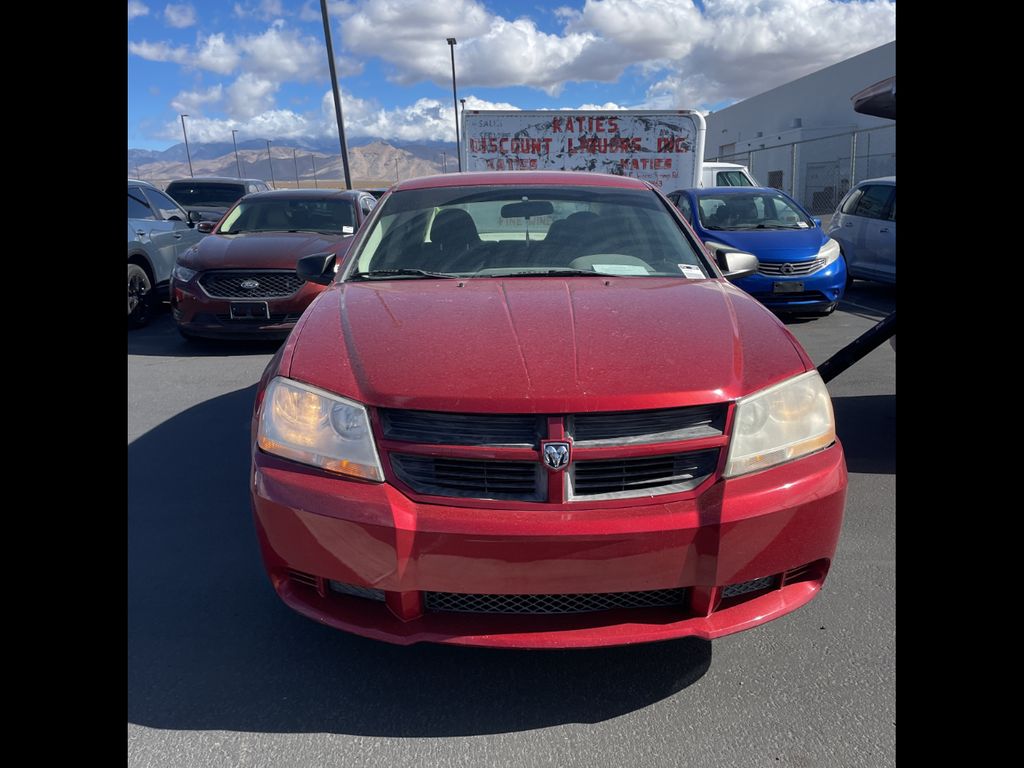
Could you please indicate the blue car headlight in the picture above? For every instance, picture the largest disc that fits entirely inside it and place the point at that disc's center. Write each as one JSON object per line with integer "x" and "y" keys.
{"x": 829, "y": 252}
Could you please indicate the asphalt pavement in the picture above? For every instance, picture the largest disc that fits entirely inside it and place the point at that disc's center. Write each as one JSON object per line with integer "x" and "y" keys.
{"x": 221, "y": 673}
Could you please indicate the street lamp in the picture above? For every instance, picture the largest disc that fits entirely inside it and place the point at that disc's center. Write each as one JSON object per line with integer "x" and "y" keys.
{"x": 295, "y": 160}
{"x": 187, "y": 153}
{"x": 312, "y": 159}
{"x": 336, "y": 92}
{"x": 396, "y": 169}
{"x": 455, "y": 102}
{"x": 270, "y": 160}
{"x": 444, "y": 162}
{"x": 238, "y": 165}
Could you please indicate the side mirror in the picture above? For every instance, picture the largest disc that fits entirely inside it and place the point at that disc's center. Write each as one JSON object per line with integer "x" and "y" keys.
{"x": 817, "y": 222}
{"x": 736, "y": 264}
{"x": 194, "y": 217}
{"x": 206, "y": 227}
{"x": 316, "y": 268}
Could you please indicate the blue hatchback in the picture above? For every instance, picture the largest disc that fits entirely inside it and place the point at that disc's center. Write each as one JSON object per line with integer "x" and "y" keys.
{"x": 801, "y": 268}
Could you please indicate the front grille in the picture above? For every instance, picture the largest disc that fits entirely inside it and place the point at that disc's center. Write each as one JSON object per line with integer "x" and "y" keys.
{"x": 271, "y": 284}
{"x": 438, "y": 476}
{"x": 797, "y": 268}
{"x": 621, "y": 478}
{"x": 367, "y": 593}
{"x": 745, "y": 587}
{"x": 790, "y": 297}
{"x": 521, "y": 430}
{"x": 552, "y": 604}
{"x": 275, "y": 317}
{"x": 633, "y": 427}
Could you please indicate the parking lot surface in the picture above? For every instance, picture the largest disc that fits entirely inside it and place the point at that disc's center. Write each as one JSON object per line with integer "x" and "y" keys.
{"x": 221, "y": 673}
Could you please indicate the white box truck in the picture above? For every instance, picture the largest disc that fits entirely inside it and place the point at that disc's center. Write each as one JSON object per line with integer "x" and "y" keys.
{"x": 664, "y": 147}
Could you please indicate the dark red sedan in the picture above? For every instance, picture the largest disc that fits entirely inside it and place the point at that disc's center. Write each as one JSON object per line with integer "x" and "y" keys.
{"x": 531, "y": 411}
{"x": 240, "y": 281}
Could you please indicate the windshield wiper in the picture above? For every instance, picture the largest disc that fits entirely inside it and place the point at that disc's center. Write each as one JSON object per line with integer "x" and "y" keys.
{"x": 558, "y": 272}
{"x": 387, "y": 274}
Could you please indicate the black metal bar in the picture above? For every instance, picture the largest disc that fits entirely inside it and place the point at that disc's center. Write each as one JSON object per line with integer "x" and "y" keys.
{"x": 858, "y": 348}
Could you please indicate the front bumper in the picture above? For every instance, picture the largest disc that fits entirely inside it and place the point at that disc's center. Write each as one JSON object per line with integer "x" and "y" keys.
{"x": 314, "y": 528}
{"x": 821, "y": 289}
{"x": 198, "y": 314}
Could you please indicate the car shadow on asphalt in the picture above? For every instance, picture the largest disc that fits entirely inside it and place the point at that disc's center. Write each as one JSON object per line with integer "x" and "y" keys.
{"x": 160, "y": 338}
{"x": 866, "y": 425}
{"x": 211, "y": 647}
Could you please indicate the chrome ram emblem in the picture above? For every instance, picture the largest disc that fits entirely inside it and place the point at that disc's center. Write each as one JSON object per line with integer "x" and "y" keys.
{"x": 556, "y": 455}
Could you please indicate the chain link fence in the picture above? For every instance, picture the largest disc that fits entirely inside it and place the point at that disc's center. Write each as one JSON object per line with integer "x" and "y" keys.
{"x": 818, "y": 172}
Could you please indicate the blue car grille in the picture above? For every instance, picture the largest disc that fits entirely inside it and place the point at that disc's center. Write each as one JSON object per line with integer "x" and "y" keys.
{"x": 795, "y": 268}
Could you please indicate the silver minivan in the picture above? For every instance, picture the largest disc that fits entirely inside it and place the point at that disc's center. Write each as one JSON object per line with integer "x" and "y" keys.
{"x": 864, "y": 224}
{"x": 159, "y": 230}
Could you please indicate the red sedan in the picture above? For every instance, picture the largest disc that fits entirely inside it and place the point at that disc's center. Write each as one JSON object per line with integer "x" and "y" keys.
{"x": 240, "y": 281}
{"x": 531, "y": 411}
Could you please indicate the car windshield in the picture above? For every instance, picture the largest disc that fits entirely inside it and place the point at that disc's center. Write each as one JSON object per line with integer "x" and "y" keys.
{"x": 524, "y": 231}
{"x": 222, "y": 195}
{"x": 333, "y": 217}
{"x": 750, "y": 210}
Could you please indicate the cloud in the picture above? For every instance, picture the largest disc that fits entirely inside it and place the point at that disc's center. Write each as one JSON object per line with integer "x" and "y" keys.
{"x": 136, "y": 9}
{"x": 284, "y": 54}
{"x": 180, "y": 16}
{"x": 192, "y": 102}
{"x": 250, "y": 95}
{"x": 159, "y": 52}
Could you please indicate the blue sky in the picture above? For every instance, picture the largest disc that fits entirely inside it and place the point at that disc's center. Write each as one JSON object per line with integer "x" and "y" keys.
{"x": 260, "y": 66}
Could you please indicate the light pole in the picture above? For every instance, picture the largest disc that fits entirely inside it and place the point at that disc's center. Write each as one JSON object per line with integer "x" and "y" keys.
{"x": 187, "y": 153}
{"x": 312, "y": 159}
{"x": 459, "y": 149}
{"x": 270, "y": 160}
{"x": 295, "y": 160}
{"x": 396, "y": 169}
{"x": 336, "y": 92}
{"x": 455, "y": 101}
{"x": 444, "y": 162}
{"x": 238, "y": 165}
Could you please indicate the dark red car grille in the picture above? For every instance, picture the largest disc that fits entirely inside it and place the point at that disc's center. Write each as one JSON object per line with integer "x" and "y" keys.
{"x": 457, "y": 602}
{"x": 269, "y": 284}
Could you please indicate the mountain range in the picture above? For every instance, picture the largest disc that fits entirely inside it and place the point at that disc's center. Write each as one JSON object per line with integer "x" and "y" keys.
{"x": 371, "y": 162}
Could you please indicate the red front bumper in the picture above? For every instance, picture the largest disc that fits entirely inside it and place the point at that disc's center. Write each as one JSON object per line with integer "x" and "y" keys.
{"x": 199, "y": 314}
{"x": 313, "y": 528}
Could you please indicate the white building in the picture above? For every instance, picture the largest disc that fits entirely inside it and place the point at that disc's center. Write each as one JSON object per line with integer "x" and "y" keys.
{"x": 804, "y": 137}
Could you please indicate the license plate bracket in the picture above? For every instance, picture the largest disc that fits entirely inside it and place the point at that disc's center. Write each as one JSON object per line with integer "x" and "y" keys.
{"x": 787, "y": 287}
{"x": 249, "y": 310}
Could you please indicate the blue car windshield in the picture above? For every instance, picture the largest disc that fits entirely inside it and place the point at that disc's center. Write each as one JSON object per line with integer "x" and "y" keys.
{"x": 750, "y": 210}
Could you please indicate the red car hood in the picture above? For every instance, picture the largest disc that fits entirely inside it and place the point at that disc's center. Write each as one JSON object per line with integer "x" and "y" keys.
{"x": 260, "y": 250}
{"x": 543, "y": 345}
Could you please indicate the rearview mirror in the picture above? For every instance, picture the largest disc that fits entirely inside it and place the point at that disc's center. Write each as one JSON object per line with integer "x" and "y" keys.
{"x": 206, "y": 227}
{"x": 527, "y": 209}
{"x": 316, "y": 268}
{"x": 817, "y": 222}
{"x": 194, "y": 217}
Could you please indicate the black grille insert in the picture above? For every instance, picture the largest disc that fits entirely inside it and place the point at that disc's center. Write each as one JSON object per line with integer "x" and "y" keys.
{"x": 439, "y": 476}
{"x": 619, "y": 478}
{"x": 521, "y": 430}
{"x": 552, "y": 604}
{"x": 270, "y": 284}
{"x": 660, "y": 426}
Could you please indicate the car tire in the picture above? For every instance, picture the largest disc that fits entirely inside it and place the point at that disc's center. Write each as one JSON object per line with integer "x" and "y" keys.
{"x": 140, "y": 296}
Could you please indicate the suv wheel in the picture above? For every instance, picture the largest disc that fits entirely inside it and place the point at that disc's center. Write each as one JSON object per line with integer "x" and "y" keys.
{"x": 140, "y": 296}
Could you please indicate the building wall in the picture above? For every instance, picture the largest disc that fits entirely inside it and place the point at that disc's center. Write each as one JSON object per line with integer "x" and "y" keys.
{"x": 809, "y": 126}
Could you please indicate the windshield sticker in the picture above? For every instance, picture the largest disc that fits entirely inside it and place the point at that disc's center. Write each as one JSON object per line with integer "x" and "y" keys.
{"x": 802, "y": 224}
{"x": 347, "y": 230}
{"x": 691, "y": 272}
{"x": 620, "y": 269}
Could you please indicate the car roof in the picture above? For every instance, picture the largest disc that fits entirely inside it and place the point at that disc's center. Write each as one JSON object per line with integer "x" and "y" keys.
{"x": 306, "y": 194}
{"x": 734, "y": 190}
{"x": 879, "y": 180}
{"x": 218, "y": 179}
{"x": 141, "y": 183}
{"x": 515, "y": 178}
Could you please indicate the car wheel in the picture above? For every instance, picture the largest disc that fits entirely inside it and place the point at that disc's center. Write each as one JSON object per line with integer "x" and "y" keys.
{"x": 140, "y": 296}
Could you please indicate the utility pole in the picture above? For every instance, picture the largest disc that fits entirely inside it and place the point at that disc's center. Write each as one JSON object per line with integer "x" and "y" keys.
{"x": 295, "y": 160}
{"x": 336, "y": 92}
{"x": 270, "y": 159}
{"x": 312, "y": 159}
{"x": 187, "y": 153}
{"x": 455, "y": 100}
{"x": 238, "y": 165}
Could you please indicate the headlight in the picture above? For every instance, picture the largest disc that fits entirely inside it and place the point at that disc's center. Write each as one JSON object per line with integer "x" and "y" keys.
{"x": 829, "y": 252}
{"x": 183, "y": 274}
{"x": 315, "y": 427}
{"x": 781, "y": 423}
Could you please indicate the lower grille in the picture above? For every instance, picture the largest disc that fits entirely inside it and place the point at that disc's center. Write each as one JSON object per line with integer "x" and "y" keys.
{"x": 796, "y": 268}
{"x": 275, "y": 317}
{"x": 456, "y": 602}
{"x": 351, "y": 589}
{"x": 437, "y": 476}
{"x": 269, "y": 285}
{"x": 788, "y": 297}
{"x": 745, "y": 587}
{"x": 620, "y": 478}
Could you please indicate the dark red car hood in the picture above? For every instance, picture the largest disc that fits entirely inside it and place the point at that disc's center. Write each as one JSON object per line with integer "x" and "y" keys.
{"x": 260, "y": 250}
{"x": 544, "y": 345}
